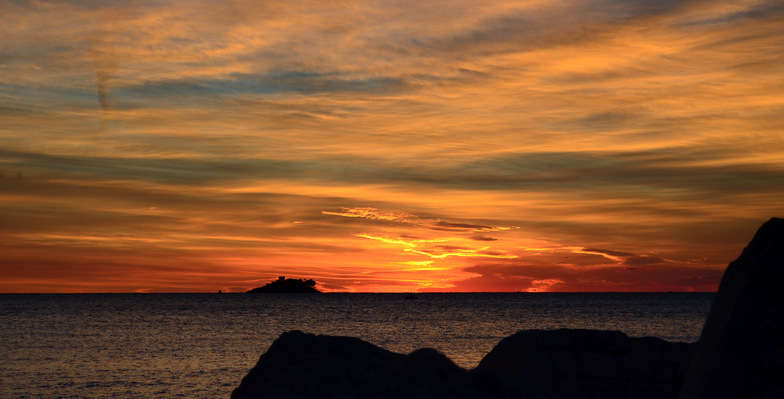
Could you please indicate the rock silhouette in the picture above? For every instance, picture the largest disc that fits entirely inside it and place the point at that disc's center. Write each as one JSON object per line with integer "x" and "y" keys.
{"x": 530, "y": 364}
{"x": 287, "y": 285}
{"x": 300, "y": 365}
{"x": 740, "y": 355}
{"x": 592, "y": 364}
{"x": 741, "y": 350}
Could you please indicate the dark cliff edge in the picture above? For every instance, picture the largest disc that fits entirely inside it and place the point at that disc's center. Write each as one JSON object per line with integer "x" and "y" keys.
{"x": 741, "y": 350}
{"x": 285, "y": 285}
{"x": 740, "y": 355}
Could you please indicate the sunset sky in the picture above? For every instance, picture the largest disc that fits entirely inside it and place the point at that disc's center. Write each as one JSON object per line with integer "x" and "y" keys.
{"x": 197, "y": 146}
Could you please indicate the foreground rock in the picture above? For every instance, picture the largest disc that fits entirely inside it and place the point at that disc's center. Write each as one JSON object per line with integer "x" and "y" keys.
{"x": 530, "y": 364}
{"x": 300, "y": 365}
{"x": 741, "y": 350}
{"x": 592, "y": 364}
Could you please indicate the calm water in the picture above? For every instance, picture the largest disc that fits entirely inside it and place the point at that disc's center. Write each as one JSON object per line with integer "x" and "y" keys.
{"x": 201, "y": 345}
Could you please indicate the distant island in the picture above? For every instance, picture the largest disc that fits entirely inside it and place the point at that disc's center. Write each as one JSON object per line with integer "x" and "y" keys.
{"x": 287, "y": 285}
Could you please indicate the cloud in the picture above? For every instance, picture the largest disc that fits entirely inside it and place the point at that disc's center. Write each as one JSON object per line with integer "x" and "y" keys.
{"x": 624, "y": 140}
{"x": 521, "y": 274}
{"x": 479, "y": 237}
{"x": 407, "y": 218}
{"x": 388, "y": 240}
{"x": 644, "y": 260}
{"x": 458, "y": 227}
{"x": 615, "y": 254}
{"x": 105, "y": 69}
{"x": 544, "y": 285}
{"x": 372, "y": 213}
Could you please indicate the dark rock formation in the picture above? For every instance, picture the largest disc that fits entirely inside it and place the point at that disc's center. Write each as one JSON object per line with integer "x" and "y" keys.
{"x": 591, "y": 364}
{"x": 530, "y": 364}
{"x": 300, "y": 365}
{"x": 287, "y": 285}
{"x": 741, "y": 351}
{"x": 740, "y": 355}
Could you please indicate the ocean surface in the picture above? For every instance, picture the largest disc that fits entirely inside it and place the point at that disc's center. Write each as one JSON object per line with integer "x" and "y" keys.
{"x": 201, "y": 345}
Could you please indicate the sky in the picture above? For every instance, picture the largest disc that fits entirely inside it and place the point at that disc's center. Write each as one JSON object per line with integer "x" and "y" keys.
{"x": 386, "y": 146}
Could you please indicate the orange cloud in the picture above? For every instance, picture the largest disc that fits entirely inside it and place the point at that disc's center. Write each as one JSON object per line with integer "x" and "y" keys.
{"x": 371, "y": 213}
{"x": 543, "y": 285}
{"x": 154, "y": 146}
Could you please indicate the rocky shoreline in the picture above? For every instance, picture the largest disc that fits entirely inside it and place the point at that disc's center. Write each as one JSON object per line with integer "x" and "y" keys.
{"x": 740, "y": 355}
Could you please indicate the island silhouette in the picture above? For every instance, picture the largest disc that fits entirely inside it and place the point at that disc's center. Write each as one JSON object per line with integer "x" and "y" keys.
{"x": 287, "y": 285}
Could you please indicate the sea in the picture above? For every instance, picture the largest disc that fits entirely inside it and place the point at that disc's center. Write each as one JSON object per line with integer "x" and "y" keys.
{"x": 201, "y": 345}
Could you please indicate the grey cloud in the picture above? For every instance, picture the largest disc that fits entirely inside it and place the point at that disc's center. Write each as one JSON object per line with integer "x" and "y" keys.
{"x": 451, "y": 247}
{"x": 95, "y": 208}
{"x": 169, "y": 170}
{"x": 104, "y": 72}
{"x": 548, "y": 26}
{"x": 302, "y": 82}
{"x": 761, "y": 11}
{"x": 105, "y": 67}
{"x": 643, "y": 260}
{"x": 6, "y": 111}
{"x": 668, "y": 168}
{"x": 565, "y": 171}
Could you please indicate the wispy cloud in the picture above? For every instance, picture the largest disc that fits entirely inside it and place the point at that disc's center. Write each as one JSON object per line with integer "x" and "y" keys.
{"x": 372, "y": 213}
{"x": 634, "y": 143}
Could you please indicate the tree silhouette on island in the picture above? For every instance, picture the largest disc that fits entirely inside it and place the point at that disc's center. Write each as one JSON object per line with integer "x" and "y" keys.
{"x": 287, "y": 285}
